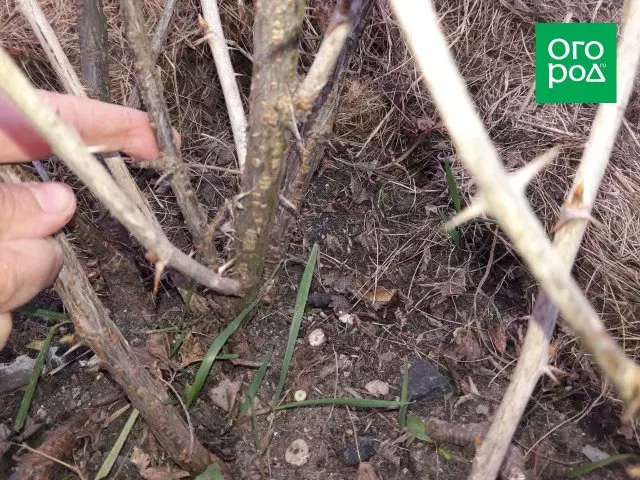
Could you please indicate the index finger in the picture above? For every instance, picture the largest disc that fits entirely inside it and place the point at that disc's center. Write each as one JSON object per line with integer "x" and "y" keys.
{"x": 112, "y": 127}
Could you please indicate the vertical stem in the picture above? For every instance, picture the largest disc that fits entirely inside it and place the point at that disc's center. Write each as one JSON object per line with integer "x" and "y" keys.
{"x": 94, "y": 48}
{"x": 276, "y": 28}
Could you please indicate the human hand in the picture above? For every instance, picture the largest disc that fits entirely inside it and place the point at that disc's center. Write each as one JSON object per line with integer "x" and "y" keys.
{"x": 30, "y": 259}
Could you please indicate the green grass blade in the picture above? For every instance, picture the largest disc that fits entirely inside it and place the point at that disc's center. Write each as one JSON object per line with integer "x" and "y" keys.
{"x": 417, "y": 428}
{"x": 177, "y": 342}
{"x": 453, "y": 187}
{"x": 41, "y": 312}
{"x": 254, "y": 386}
{"x": 342, "y": 401}
{"x": 211, "y": 473}
{"x": 404, "y": 394}
{"x": 298, "y": 312}
{"x": 591, "y": 466}
{"x": 205, "y": 366}
{"x": 108, "y": 463}
{"x": 33, "y": 379}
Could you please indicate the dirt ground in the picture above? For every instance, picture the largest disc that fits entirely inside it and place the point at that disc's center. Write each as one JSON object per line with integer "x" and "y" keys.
{"x": 462, "y": 307}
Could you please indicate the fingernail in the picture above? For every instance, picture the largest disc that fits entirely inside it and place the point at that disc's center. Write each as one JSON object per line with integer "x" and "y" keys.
{"x": 53, "y": 197}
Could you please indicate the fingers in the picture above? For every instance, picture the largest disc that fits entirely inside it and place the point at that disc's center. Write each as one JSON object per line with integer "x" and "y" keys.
{"x": 26, "y": 267}
{"x": 34, "y": 210}
{"x": 113, "y": 127}
{"x": 5, "y": 328}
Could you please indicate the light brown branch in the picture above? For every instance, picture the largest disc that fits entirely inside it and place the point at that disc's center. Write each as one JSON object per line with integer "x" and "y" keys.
{"x": 535, "y": 350}
{"x": 67, "y": 145}
{"x": 214, "y": 34}
{"x": 157, "y": 42}
{"x": 150, "y": 87}
{"x": 275, "y": 32}
{"x": 325, "y": 60}
{"x": 68, "y": 78}
{"x": 420, "y": 23}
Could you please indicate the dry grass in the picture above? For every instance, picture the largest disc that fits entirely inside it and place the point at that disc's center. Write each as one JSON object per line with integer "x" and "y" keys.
{"x": 493, "y": 43}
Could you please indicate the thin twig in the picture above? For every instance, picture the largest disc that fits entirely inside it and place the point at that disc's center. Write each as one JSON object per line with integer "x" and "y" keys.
{"x": 420, "y": 24}
{"x": 150, "y": 86}
{"x": 157, "y": 42}
{"x": 325, "y": 60}
{"x": 214, "y": 34}
{"x": 535, "y": 351}
{"x": 68, "y": 78}
{"x": 67, "y": 144}
{"x": 75, "y": 470}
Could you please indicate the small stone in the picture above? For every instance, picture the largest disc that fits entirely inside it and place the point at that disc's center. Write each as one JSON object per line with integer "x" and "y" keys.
{"x": 319, "y": 300}
{"x": 346, "y": 318}
{"x": 5, "y": 431}
{"x": 593, "y": 453}
{"x": 482, "y": 409}
{"x": 377, "y": 388}
{"x": 426, "y": 383}
{"x": 317, "y": 338}
{"x": 300, "y": 395}
{"x": 297, "y": 453}
{"x": 365, "y": 447}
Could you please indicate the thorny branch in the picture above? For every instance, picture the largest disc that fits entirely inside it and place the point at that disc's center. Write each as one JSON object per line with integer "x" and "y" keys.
{"x": 150, "y": 87}
{"x": 92, "y": 322}
{"x": 66, "y": 143}
{"x": 214, "y": 34}
{"x": 68, "y": 78}
{"x": 581, "y": 197}
{"x": 420, "y": 24}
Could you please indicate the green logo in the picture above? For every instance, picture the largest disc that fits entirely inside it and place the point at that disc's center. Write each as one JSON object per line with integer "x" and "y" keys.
{"x": 576, "y": 62}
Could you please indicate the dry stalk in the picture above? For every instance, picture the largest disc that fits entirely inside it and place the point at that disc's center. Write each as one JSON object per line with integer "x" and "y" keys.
{"x": 567, "y": 240}
{"x": 325, "y": 60}
{"x": 92, "y": 322}
{"x": 150, "y": 86}
{"x": 420, "y": 24}
{"x": 214, "y": 34}
{"x": 276, "y": 28}
{"x": 67, "y": 145}
{"x": 71, "y": 83}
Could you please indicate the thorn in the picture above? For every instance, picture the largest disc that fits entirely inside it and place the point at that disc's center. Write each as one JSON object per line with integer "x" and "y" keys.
{"x": 551, "y": 371}
{"x": 523, "y": 176}
{"x": 160, "y": 266}
{"x": 569, "y": 214}
{"x": 475, "y": 210}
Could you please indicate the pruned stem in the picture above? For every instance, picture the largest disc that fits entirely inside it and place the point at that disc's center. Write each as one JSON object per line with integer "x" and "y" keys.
{"x": 535, "y": 350}
{"x": 68, "y": 145}
{"x": 151, "y": 89}
{"x": 504, "y": 202}
{"x": 146, "y": 392}
{"x": 68, "y": 78}
{"x": 276, "y": 29}
{"x": 214, "y": 34}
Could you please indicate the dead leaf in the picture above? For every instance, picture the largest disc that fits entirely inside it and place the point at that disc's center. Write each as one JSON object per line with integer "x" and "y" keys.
{"x": 633, "y": 471}
{"x": 191, "y": 351}
{"x": 158, "y": 345}
{"x": 366, "y": 472}
{"x": 379, "y": 296}
{"x": 498, "y": 336}
{"x": 466, "y": 348}
{"x": 225, "y": 394}
{"x": 367, "y": 241}
{"x": 142, "y": 461}
{"x": 627, "y": 431}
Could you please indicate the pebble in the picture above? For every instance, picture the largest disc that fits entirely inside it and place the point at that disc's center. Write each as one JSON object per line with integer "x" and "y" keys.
{"x": 377, "y": 388}
{"x": 300, "y": 395}
{"x": 366, "y": 446}
{"x": 426, "y": 383}
{"x": 317, "y": 338}
{"x": 297, "y": 453}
